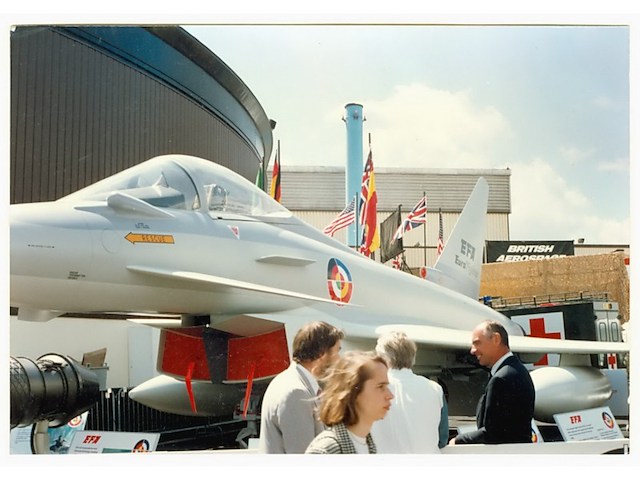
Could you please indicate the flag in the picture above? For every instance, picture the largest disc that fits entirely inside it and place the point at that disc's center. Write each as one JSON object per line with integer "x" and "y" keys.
{"x": 344, "y": 219}
{"x": 260, "y": 177}
{"x": 369, "y": 210}
{"x": 275, "y": 178}
{"x": 440, "y": 235}
{"x": 417, "y": 217}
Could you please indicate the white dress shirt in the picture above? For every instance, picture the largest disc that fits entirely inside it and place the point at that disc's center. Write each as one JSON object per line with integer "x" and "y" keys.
{"x": 412, "y": 423}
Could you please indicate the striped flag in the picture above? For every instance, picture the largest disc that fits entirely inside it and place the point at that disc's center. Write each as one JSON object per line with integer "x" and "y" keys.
{"x": 369, "y": 210}
{"x": 344, "y": 219}
{"x": 417, "y": 217}
{"x": 440, "y": 234}
{"x": 260, "y": 177}
{"x": 275, "y": 178}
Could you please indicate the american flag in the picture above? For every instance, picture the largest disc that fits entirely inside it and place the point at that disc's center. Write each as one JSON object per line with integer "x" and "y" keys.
{"x": 417, "y": 217}
{"x": 440, "y": 233}
{"x": 344, "y": 219}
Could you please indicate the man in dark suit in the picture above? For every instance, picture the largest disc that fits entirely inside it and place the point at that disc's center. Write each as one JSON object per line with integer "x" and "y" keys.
{"x": 505, "y": 411}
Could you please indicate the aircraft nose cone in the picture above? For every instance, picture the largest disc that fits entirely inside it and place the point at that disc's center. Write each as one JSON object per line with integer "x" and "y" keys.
{"x": 49, "y": 245}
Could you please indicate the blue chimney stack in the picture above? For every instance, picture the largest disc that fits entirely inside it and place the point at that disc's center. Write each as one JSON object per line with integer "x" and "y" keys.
{"x": 353, "y": 173}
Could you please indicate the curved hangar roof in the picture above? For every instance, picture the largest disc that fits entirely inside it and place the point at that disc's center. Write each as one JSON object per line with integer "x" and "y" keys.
{"x": 172, "y": 54}
{"x": 89, "y": 101}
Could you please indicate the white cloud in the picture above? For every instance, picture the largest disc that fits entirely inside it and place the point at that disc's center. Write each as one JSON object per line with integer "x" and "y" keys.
{"x": 605, "y": 103}
{"x": 420, "y": 126}
{"x": 575, "y": 154}
{"x": 546, "y": 207}
{"x": 425, "y": 127}
{"x": 616, "y": 165}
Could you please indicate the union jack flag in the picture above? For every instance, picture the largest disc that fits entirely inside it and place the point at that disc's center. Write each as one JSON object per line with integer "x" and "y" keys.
{"x": 440, "y": 234}
{"x": 344, "y": 219}
{"x": 417, "y": 217}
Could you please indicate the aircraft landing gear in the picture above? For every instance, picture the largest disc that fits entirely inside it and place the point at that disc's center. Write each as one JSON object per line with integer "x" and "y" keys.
{"x": 252, "y": 418}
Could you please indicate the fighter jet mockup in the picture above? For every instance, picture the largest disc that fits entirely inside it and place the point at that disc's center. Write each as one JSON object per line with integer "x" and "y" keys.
{"x": 185, "y": 236}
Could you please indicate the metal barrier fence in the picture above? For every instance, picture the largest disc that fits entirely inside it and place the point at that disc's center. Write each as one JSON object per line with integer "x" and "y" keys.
{"x": 116, "y": 412}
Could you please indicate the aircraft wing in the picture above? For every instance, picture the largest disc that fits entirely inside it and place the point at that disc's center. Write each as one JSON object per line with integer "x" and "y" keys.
{"x": 551, "y": 345}
{"x": 461, "y": 339}
{"x": 228, "y": 285}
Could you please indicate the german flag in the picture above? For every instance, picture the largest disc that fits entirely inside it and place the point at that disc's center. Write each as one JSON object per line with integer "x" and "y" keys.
{"x": 275, "y": 178}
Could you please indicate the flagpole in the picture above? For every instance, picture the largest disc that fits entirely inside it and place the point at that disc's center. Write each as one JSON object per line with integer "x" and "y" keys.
{"x": 424, "y": 196}
{"x": 356, "y": 219}
{"x": 373, "y": 255}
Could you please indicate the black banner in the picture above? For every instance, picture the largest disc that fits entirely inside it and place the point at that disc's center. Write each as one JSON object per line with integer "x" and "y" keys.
{"x": 389, "y": 248}
{"x": 520, "y": 251}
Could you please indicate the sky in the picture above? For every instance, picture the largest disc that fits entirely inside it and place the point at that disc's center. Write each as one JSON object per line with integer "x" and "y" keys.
{"x": 551, "y": 103}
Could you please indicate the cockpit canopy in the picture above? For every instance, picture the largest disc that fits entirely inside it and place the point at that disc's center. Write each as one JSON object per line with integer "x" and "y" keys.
{"x": 186, "y": 183}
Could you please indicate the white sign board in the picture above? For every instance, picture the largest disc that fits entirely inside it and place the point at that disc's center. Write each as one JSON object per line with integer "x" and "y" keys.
{"x": 113, "y": 442}
{"x": 59, "y": 437}
{"x": 20, "y": 442}
{"x": 593, "y": 424}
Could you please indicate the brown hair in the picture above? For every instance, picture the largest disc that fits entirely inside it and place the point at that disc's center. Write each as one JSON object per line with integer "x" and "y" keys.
{"x": 342, "y": 385}
{"x": 313, "y": 340}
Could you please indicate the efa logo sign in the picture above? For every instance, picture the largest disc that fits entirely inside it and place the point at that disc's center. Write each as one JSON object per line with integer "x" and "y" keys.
{"x": 590, "y": 424}
{"x": 91, "y": 439}
{"x": 465, "y": 258}
{"x": 467, "y": 250}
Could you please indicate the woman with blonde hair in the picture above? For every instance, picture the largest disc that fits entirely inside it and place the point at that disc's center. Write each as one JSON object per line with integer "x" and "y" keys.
{"x": 355, "y": 394}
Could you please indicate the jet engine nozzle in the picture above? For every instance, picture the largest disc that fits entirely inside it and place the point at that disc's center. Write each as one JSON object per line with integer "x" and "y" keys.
{"x": 53, "y": 388}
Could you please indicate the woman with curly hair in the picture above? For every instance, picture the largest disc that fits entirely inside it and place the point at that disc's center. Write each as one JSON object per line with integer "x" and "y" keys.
{"x": 355, "y": 394}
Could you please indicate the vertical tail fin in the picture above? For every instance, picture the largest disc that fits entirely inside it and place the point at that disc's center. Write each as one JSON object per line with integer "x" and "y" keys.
{"x": 458, "y": 267}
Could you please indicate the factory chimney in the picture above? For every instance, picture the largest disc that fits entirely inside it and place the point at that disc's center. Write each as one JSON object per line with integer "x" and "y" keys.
{"x": 353, "y": 119}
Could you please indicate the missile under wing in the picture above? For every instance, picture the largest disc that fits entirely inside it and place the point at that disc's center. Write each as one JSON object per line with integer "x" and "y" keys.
{"x": 182, "y": 235}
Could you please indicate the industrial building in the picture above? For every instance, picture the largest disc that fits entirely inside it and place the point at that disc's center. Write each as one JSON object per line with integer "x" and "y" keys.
{"x": 317, "y": 195}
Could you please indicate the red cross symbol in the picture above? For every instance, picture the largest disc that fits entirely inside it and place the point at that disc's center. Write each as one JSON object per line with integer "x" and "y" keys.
{"x": 537, "y": 327}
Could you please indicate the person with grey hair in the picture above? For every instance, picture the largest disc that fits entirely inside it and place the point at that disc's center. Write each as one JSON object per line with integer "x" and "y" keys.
{"x": 418, "y": 421}
{"x": 505, "y": 411}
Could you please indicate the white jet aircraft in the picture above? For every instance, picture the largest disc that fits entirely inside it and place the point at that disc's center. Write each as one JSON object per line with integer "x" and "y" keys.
{"x": 184, "y": 236}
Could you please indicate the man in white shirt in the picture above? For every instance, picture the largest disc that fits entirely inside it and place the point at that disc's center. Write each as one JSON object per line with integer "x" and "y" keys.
{"x": 418, "y": 421}
{"x": 288, "y": 422}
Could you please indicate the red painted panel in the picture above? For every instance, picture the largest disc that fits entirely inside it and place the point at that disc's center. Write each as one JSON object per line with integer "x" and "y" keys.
{"x": 267, "y": 352}
{"x": 180, "y": 348}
